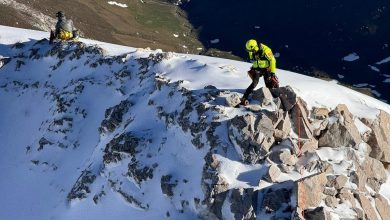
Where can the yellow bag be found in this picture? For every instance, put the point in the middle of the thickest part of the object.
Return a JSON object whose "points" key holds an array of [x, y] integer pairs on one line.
{"points": [[65, 35]]}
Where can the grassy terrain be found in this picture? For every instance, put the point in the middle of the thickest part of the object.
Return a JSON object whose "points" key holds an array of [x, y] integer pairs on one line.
{"points": [[143, 24]]}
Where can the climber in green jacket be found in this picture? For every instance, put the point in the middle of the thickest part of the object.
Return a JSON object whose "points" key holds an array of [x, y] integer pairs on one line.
{"points": [[264, 64]]}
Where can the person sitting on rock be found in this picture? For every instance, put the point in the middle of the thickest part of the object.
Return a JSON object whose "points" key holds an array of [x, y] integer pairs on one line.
{"points": [[264, 64], [64, 29]]}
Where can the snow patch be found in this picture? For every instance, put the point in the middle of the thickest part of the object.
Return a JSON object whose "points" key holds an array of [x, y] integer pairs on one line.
{"points": [[351, 57], [215, 41], [376, 69], [340, 76], [122, 5], [361, 85], [376, 93], [384, 61]]}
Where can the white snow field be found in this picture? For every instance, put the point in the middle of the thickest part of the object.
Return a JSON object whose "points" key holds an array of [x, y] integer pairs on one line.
{"points": [[52, 135]]}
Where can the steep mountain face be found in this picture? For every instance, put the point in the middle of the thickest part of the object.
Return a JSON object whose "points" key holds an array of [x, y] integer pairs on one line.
{"points": [[87, 134]]}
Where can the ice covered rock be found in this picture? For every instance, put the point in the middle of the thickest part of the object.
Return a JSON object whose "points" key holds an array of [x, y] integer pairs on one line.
{"points": [[118, 147], [114, 116], [140, 173], [132, 200], [81, 188], [342, 132], [4, 61]]}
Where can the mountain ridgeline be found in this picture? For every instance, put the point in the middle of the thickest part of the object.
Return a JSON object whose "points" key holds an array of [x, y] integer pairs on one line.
{"points": [[100, 132]]}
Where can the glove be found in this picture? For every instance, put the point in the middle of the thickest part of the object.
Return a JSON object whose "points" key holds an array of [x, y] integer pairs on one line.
{"points": [[274, 80]]}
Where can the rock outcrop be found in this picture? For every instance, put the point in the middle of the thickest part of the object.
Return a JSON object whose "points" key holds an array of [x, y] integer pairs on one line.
{"points": [[342, 132], [252, 135], [380, 137]]}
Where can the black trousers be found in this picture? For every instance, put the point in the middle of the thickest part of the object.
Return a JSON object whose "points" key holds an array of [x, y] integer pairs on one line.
{"points": [[256, 74]]}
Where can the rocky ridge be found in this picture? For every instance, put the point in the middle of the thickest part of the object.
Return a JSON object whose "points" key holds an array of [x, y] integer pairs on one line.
{"points": [[285, 144]]}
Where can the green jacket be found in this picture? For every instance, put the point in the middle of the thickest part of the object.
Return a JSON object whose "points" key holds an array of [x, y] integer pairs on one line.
{"points": [[263, 58]]}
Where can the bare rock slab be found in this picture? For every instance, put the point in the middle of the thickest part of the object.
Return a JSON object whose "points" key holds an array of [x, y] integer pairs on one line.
{"points": [[343, 132], [382, 206], [309, 190], [380, 138]]}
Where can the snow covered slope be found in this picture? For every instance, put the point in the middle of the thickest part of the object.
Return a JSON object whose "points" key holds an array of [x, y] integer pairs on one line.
{"points": [[99, 131]]}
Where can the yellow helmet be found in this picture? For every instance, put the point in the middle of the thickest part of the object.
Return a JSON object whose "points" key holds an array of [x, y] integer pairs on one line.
{"points": [[252, 46]]}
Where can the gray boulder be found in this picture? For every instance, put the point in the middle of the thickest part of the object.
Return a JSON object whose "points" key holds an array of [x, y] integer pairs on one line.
{"points": [[382, 205], [241, 204], [276, 200], [264, 96], [343, 132], [287, 96], [272, 174], [380, 137], [167, 185], [337, 182], [319, 126], [233, 99], [300, 120], [252, 136], [309, 190], [283, 128], [309, 145], [375, 172], [318, 213], [370, 172], [369, 211], [320, 113]]}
